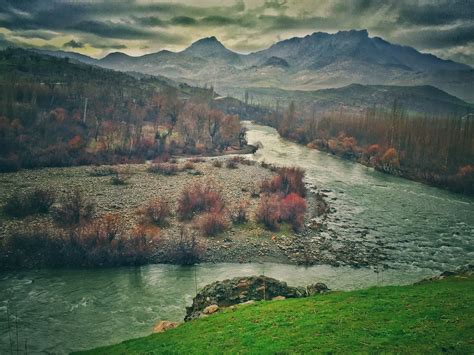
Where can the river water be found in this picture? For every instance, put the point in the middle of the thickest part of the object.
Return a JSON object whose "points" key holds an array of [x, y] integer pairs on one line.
{"points": [[422, 229]]}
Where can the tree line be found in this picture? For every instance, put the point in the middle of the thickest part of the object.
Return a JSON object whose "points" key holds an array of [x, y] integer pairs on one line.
{"points": [[57, 113], [438, 150]]}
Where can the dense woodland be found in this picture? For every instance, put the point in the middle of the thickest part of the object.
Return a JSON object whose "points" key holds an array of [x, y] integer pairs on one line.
{"points": [[57, 113], [437, 150]]}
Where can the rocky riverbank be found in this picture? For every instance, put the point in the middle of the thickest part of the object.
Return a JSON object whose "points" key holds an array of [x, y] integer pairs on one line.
{"points": [[248, 242], [243, 290]]}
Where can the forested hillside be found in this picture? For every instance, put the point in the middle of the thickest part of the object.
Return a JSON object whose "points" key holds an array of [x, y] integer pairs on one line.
{"points": [[57, 113]]}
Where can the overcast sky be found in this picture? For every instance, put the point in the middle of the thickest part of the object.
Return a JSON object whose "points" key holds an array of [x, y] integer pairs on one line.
{"points": [[97, 27]]}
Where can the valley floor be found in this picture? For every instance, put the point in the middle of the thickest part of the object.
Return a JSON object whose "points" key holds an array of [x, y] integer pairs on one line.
{"points": [[429, 317]]}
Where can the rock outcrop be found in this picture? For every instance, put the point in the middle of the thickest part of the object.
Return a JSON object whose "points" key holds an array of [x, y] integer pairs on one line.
{"points": [[163, 326], [243, 289], [464, 270]]}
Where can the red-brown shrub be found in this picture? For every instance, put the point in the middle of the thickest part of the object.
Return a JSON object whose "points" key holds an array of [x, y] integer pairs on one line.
{"points": [[157, 211], [374, 149], [239, 214], [212, 223], [188, 165], [107, 242], [197, 199], [185, 250], [163, 158], [288, 180], [268, 211], [104, 241], [217, 163], [231, 163], [73, 209], [391, 158], [292, 210], [24, 203], [274, 208], [31, 246], [163, 168], [121, 177]]}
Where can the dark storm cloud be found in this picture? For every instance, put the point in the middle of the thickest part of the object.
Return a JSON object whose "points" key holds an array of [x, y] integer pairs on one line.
{"points": [[440, 13], [440, 25], [183, 21], [427, 39], [110, 29], [218, 21], [150, 21], [73, 44]]}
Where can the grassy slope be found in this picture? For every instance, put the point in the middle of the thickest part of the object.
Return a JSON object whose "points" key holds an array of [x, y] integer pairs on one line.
{"points": [[431, 317]]}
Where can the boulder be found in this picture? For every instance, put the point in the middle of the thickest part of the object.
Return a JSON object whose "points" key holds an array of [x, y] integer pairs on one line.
{"points": [[279, 298], [316, 288], [164, 325], [464, 270], [240, 290], [246, 303], [213, 308]]}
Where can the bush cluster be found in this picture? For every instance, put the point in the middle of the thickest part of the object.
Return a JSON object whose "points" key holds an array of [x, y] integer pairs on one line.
{"points": [[157, 212], [231, 164], [274, 209], [73, 209], [288, 180], [212, 223], [197, 160], [239, 214], [164, 168], [102, 242], [188, 165], [24, 203], [185, 250], [103, 171], [217, 163], [197, 199], [283, 199], [120, 178], [268, 211]]}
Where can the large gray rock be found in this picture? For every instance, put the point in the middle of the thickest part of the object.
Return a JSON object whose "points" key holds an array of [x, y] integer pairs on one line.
{"points": [[463, 270], [242, 289]]}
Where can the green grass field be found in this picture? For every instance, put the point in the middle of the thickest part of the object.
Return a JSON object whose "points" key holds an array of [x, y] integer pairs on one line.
{"points": [[433, 317]]}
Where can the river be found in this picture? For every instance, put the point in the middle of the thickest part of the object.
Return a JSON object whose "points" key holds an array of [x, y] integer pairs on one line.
{"points": [[422, 229]]}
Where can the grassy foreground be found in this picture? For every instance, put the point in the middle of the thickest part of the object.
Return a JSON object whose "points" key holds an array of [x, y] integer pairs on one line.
{"points": [[430, 317]]}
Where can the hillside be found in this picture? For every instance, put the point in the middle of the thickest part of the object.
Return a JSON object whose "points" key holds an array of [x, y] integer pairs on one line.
{"points": [[355, 97], [58, 112], [316, 61], [430, 317]]}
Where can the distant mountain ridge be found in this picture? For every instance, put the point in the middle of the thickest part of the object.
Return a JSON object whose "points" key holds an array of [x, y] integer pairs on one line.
{"points": [[317, 61]]}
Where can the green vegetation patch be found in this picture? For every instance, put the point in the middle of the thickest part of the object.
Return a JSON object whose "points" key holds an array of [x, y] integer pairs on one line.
{"points": [[425, 318]]}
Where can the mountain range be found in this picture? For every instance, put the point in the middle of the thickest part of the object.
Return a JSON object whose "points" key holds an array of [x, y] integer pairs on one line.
{"points": [[316, 61]]}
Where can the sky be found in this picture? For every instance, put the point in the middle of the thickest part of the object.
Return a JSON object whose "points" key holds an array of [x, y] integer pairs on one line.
{"points": [[136, 27]]}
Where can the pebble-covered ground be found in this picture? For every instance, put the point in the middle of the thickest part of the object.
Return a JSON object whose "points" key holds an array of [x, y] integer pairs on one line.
{"points": [[239, 243]]}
